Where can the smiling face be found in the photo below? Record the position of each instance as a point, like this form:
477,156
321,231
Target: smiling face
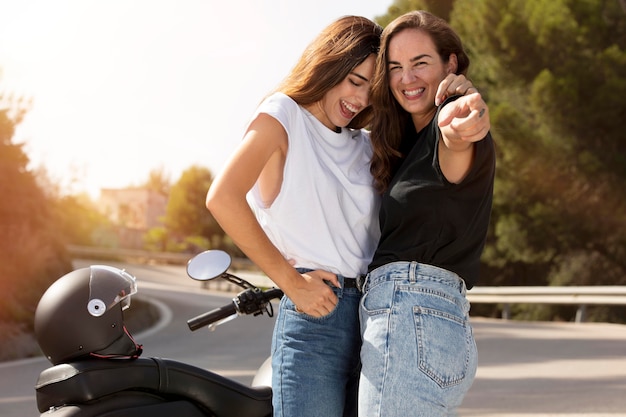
415,70
347,99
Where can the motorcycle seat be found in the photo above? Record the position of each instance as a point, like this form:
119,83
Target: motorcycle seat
82,381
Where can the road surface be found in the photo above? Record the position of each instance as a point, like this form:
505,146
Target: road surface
525,369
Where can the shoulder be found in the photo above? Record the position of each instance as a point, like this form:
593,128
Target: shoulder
278,101
281,107
271,118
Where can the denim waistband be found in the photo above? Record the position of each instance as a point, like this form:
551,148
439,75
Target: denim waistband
413,272
346,282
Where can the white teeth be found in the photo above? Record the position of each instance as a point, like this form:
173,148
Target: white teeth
350,107
413,93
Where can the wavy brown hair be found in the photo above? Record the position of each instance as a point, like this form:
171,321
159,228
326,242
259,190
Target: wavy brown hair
390,120
334,53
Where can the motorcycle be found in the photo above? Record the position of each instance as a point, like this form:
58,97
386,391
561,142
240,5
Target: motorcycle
97,369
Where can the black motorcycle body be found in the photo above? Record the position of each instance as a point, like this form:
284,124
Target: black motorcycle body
145,387
155,387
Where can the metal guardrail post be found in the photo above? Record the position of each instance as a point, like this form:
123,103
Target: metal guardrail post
581,313
506,311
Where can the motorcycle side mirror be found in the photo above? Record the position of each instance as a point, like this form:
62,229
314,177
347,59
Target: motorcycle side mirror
208,265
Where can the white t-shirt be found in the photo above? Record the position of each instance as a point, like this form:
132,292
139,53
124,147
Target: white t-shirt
326,213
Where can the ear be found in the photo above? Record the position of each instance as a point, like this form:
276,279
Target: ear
453,64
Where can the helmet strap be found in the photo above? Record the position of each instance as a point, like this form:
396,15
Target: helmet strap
126,347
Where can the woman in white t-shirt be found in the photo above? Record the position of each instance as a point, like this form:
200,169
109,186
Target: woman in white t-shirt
297,198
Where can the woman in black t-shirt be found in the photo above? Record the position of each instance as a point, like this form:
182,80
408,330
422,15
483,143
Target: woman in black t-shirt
434,164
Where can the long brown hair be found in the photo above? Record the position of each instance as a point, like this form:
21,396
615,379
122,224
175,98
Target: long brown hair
390,119
334,53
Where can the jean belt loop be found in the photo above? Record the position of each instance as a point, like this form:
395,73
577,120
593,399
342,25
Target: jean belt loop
361,280
413,272
342,282
463,288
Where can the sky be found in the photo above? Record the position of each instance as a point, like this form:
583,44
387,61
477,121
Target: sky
121,88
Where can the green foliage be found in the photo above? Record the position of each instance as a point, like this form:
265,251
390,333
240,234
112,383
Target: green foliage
158,181
156,239
80,222
186,213
441,8
32,253
229,246
552,72
551,75
197,244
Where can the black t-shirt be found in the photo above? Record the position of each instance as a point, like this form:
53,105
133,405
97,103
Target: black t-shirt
427,219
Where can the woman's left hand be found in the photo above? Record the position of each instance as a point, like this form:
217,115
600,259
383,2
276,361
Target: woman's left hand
466,118
453,84
463,122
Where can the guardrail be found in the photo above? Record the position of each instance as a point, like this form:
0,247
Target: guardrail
128,254
582,296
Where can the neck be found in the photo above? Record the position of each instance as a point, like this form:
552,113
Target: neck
318,112
421,120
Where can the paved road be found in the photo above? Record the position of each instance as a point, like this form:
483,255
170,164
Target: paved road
548,369
525,369
236,349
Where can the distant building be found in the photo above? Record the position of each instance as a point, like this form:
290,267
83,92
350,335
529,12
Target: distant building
134,211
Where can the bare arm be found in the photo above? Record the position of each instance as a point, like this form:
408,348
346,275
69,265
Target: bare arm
261,156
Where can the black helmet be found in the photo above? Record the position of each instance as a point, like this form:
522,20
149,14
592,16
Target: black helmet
81,315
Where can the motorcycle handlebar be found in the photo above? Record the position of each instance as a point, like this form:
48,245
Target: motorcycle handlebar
212,316
250,301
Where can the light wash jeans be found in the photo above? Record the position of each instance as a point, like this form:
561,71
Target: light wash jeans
418,355
315,361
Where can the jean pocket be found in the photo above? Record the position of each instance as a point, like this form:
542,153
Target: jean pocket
290,308
378,299
444,345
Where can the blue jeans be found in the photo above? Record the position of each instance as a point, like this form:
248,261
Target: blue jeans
315,360
418,355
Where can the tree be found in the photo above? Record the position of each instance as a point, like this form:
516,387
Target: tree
158,181
552,73
32,254
186,214
441,8
80,221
